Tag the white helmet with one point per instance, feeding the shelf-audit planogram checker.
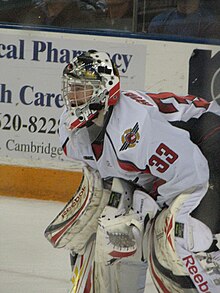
(90, 83)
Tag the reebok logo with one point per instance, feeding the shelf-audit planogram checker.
(198, 278)
(75, 201)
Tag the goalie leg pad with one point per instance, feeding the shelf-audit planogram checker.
(78, 221)
(171, 262)
(121, 277)
(146, 207)
(191, 234)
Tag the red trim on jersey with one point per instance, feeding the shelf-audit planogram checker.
(65, 150)
(169, 107)
(97, 150)
(129, 166)
(156, 184)
(64, 147)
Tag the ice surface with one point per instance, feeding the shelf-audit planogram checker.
(28, 263)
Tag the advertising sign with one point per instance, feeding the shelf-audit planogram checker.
(31, 65)
(30, 86)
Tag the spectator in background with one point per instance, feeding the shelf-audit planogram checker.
(94, 5)
(11, 11)
(62, 13)
(189, 18)
(118, 15)
(86, 14)
(114, 14)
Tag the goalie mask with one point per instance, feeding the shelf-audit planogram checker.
(90, 84)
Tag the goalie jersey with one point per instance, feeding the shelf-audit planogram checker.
(141, 144)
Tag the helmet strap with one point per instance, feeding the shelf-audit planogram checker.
(106, 105)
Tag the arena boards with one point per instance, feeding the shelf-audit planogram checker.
(38, 183)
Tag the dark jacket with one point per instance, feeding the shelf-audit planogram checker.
(70, 16)
(198, 24)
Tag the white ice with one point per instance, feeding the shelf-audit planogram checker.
(28, 263)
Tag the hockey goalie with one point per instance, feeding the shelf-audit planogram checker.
(150, 196)
(102, 226)
(114, 235)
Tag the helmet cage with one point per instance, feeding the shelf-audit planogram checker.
(89, 85)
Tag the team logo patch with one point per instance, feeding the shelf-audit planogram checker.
(130, 137)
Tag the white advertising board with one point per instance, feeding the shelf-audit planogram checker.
(31, 64)
(30, 86)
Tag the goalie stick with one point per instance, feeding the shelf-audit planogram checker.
(83, 271)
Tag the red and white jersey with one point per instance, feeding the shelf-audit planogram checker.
(141, 145)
